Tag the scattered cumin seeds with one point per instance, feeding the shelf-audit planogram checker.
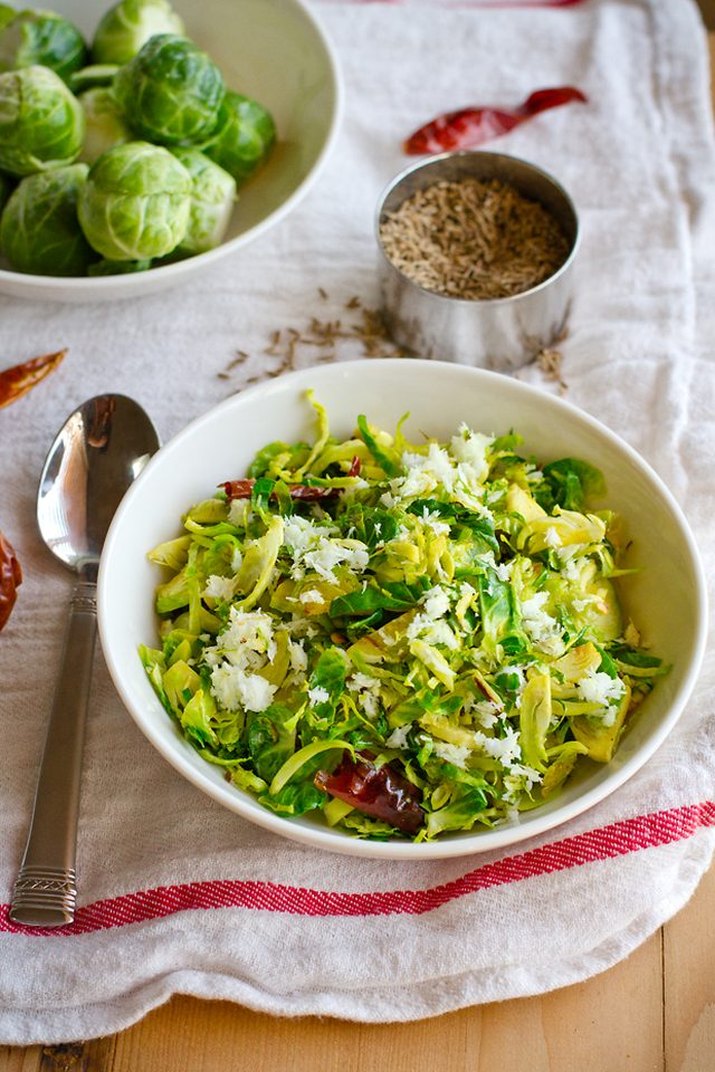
(361, 334)
(549, 361)
(474, 240)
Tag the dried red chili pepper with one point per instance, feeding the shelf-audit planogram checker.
(243, 489)
(18, 380)
(380, 792)
(10, 579)
(468, 127)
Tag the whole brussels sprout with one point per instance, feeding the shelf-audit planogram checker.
(104, 125)
(5, 190)
(171, 91)
(213, 193)
(129, 25)
(105, 267)
(41, 122)
(39, 230)
(96, 74)
(42, 39)
(243, 136)
(7, 14)
(135, 204)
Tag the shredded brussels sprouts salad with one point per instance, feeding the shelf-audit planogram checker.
(411, 638)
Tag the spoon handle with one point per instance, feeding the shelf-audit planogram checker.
(45, 891)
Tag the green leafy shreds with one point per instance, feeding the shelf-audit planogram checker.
(447, 615)
(270, 738)
(380, 447)
(269, 460)
(569, 482)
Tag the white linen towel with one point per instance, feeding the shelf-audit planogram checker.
(176, 894)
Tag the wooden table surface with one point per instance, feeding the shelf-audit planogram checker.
(653, 1012)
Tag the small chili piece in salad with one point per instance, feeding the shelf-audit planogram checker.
(381, 792)
(243, 489)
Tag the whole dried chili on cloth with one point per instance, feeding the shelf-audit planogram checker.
(19, 379)
(469, 127)
(10, 579)
(15, 382)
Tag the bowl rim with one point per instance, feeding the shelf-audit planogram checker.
(468, 843)
(434, 161)
(94, 286)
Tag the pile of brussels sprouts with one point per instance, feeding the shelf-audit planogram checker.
(118, 155)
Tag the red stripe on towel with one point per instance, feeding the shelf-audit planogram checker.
(605, 843)
(495, 4)
(470, 3)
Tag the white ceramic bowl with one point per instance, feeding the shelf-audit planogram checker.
(667, 599)
(275, 52)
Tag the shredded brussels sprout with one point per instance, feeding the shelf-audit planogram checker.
(411, 638)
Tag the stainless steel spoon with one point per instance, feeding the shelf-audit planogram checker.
(100, 450)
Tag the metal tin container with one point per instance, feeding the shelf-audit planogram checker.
(497, 333)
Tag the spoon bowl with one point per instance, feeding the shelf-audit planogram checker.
(99, 451)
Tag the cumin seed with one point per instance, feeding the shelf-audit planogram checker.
(473, 240)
